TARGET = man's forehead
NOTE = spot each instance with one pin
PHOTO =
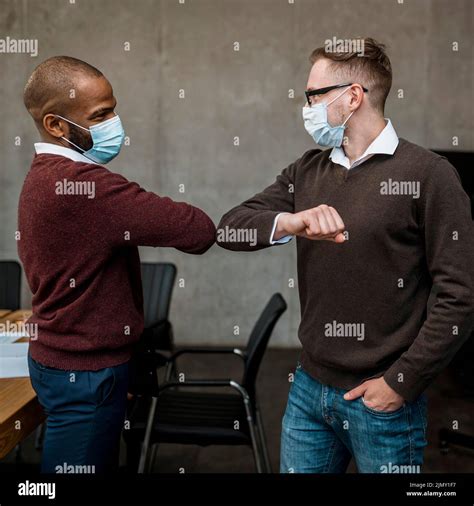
(93, 92)
(320, 75)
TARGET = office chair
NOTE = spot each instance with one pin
(10, 298)
(10, 285)
(462, 161)
(157, 281)
(461, 365)
(463, 371)
(177, 413)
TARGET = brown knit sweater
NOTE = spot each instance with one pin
(363, 302)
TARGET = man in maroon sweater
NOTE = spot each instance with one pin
(80, 226)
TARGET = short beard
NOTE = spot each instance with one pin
(80, 138)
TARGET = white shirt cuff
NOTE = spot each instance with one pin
(282, 240)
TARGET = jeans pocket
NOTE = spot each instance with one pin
(382, 413)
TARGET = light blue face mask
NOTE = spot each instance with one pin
(316, 124)
(107, 138)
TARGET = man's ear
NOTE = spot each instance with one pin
(356, 94)
(55, 126)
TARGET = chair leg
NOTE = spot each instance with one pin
(263, 442)
(253, 437)
(151, 460)
(146, 440)
(18, 454)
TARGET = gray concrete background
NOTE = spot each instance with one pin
(190, 141)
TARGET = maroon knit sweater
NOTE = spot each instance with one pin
(80, 226)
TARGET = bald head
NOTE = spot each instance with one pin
(71, 88)
(53, 85)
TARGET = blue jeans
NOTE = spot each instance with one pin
(321, 432)
(85, 415)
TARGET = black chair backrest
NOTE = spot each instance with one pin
(157, 281)
(259, 338)
(10, 285)
(463, 162)
(461, 365)
(462, 369)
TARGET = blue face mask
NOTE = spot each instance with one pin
(316, 124)
(107, 138)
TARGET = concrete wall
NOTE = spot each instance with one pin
(228, 93)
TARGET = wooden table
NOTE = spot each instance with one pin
(20, 412)
(14, 316)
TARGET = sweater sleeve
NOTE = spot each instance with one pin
(256, 216)
(448, 232)
(128, 215)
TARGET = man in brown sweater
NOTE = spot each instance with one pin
(80, 227)
(378, 220)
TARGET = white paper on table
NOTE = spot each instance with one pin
(10, 337)
(14, 360)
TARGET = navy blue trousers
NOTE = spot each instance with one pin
(85, 415)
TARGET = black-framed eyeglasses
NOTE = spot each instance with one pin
(322, 91)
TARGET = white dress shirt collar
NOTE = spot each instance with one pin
(385, 143)
(56, 149)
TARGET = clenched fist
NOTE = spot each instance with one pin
(319, 223)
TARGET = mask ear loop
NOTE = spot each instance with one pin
(348, 117)
(75, 145)
(67, 140)
(340, 95)
(83, 151)
(69, 121)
